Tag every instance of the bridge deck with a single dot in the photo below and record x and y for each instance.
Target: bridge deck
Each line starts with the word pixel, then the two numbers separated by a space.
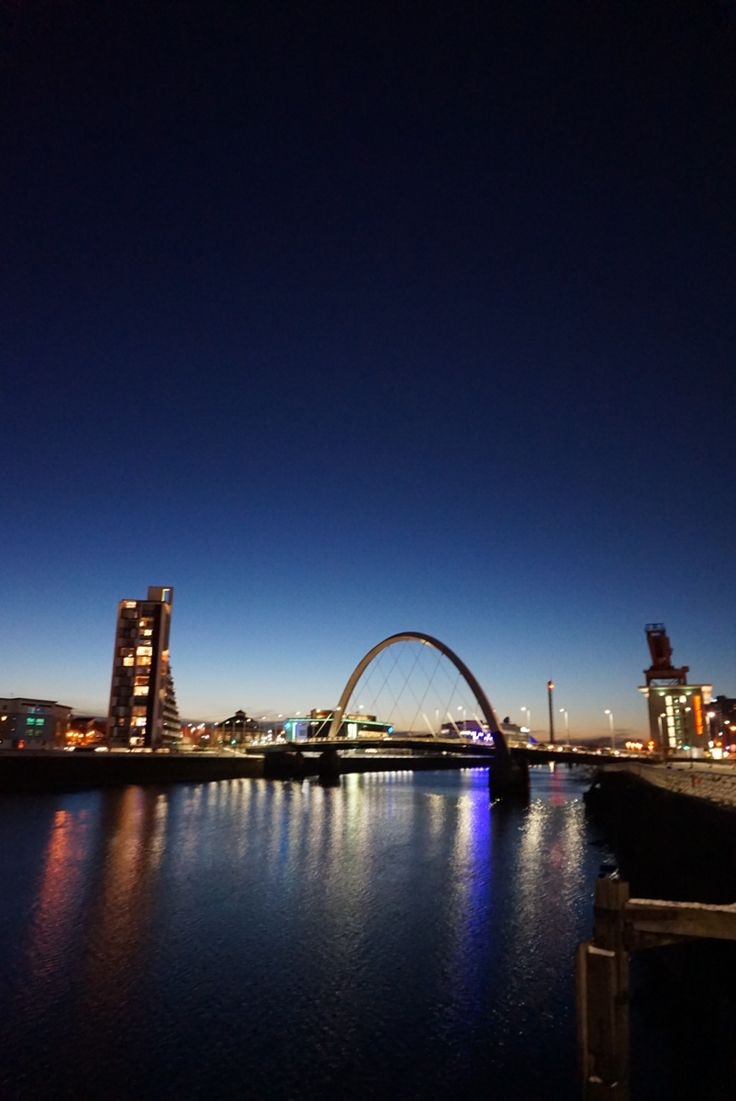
pixel 386 747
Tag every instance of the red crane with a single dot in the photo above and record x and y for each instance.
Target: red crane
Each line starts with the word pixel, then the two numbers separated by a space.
pixel 660 648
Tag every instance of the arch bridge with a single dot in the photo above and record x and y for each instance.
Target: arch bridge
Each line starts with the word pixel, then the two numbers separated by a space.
pixel 509 767
pixel 506 774
pixel 484 704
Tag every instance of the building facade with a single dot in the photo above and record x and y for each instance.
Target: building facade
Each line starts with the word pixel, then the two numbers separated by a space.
pixel 678 717
pixel 239 729
pixel 143 713
pixel 678 711
pixel 33 724
pixel 299 728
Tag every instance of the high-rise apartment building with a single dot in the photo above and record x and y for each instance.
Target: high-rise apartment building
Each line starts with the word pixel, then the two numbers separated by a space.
pixel 143 710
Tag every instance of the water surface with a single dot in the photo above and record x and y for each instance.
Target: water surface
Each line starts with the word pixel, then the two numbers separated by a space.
pixel 392 936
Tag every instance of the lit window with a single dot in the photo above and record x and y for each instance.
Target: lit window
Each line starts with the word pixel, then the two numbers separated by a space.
pixel 128 661
pixel 140 722
pixel 143 660
pixel 144 650
pixel 141 690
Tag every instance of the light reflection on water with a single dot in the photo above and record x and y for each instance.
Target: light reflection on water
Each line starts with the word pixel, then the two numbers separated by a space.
pixel 393 934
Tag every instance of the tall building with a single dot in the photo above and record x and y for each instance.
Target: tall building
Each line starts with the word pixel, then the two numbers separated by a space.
pixel 677 710
pixel 172 732
pixel 143 710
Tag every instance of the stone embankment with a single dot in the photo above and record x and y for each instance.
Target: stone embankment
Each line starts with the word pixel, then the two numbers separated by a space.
pixel 711 780
pixel 671 827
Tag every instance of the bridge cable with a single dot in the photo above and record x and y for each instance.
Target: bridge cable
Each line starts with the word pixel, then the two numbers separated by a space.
pixel 406 685
pixel 408 675
pixel 368 681
pixel 430 681
pixel 452 696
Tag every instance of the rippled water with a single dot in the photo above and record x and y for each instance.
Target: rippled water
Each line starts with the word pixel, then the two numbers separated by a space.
pixel 393 936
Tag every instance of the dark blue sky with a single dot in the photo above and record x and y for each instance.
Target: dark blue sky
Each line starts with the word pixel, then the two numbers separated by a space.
pixel 348 319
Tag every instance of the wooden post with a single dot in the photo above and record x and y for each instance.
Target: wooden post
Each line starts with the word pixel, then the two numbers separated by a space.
pixel 603 998
pixel 602 978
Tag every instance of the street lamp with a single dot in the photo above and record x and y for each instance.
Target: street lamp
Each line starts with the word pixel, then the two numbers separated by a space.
pixel 610 726
pixel 550 703
pixel 566 717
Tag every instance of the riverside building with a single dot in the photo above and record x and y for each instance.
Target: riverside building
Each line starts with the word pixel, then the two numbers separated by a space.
pixel 143 712
pixel 678 715
pixel 33 724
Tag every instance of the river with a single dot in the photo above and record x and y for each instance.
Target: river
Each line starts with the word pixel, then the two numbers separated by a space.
pixel 394 936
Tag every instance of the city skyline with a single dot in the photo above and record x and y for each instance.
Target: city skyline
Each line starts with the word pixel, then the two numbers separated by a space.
pixel 346 323
pixel 586 707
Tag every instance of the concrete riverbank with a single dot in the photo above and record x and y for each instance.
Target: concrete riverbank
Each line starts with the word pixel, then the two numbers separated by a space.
pixel 56 770
pixel 28 771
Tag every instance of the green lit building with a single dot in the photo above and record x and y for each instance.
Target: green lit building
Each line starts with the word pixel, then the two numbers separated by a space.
pixel 36 724
pixel 678 716
pixel 301 728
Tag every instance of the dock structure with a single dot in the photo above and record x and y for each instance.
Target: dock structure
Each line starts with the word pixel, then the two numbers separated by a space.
pixel 623 925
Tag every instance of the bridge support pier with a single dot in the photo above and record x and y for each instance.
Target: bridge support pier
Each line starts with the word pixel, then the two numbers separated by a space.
pixel 509 778
pixel 284 766
pixel 328 767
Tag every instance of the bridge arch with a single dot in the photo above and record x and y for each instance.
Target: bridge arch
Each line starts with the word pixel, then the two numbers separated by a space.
pixel 482 700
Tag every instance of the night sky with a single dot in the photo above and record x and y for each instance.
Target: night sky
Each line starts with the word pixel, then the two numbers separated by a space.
pixel 346 319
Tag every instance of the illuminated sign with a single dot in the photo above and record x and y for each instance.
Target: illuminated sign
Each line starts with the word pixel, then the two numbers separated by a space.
pixel 698 710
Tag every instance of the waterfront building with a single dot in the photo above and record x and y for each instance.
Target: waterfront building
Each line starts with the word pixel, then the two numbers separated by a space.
pixel 300 728
pixel 721 715
pixel 172 733
pixel 33 724
pixel 86 730
pixel 237 730
pixel 143 712
pixel 678 717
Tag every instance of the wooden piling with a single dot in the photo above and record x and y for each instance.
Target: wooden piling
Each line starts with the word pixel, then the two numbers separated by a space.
pixel 603 998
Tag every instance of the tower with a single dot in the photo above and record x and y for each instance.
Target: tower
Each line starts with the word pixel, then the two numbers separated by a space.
pixel 142 702
pixel 676 708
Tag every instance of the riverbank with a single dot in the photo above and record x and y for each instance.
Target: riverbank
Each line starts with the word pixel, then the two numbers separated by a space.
pixel 49 770
pixel 711 780
pixel 673 830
